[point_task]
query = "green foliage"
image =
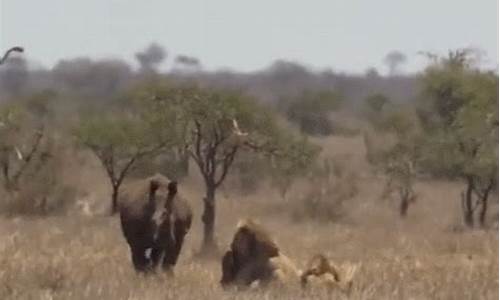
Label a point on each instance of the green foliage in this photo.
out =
(399, 120)
(385, 116)
(376, 103)
(251, 170)
(293, 158)
(443, 90)
(461, 116)
(168, 162)
(30, 159)
(123, 134)
(460, 113)
(400, 158)
(400, 165)
(311, 111)
(22, 144)
(476, 125)
(213, 126)
(40, 103)
(119, 141)
(297, 161)
(11, 117)
(330, 186)
(390, 118)
(161, 106)
(218, 123)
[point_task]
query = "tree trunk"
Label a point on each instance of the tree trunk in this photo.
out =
(403, 209)
(484, 204)
(484, 210)
(467, 207)
(114, 200)
(208, 219)
(406, 197)
(43, 206)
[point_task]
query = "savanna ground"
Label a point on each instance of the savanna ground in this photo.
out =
(422, 257)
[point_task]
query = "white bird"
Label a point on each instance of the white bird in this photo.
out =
(237, 130)
(18, 153)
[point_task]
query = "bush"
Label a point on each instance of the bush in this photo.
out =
(330, 186)
(311, 112)
(34, 201)
(340, 129)
(170, 163)
(251, 171)
(41, 191)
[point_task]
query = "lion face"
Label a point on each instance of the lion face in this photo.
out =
(248, 258)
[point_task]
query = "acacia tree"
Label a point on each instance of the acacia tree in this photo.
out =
(187, 64)
(400, 166)
(476, 127)
(150, 58)
(118, 142)
(214, 139)
(22, 144)
(214, 127)
(460, 113)
(393, 60)
(30, 155)
(398, 160)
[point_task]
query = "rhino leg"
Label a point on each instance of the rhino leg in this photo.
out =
(174, 248)
(139, 259)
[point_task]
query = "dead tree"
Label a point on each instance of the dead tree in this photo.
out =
(15, 161)
(8, 52)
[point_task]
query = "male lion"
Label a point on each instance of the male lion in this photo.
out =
(254, 259)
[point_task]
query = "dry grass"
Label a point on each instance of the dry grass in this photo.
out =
(419, 258)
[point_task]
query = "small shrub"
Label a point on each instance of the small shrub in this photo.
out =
(311, 112)
(41, 190)
(342, 130)
(37, 200)
(330, 186)
(251, 172)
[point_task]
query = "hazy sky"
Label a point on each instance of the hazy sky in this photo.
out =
(345, 35)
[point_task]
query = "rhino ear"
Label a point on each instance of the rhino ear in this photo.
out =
(172, 187)
(153, 186)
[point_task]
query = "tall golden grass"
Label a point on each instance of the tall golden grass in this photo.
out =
(422, 257)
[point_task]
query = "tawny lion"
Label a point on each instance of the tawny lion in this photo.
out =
(254, 259)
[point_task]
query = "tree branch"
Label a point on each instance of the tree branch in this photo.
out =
(274, 151)
(27, 158)
(133, 159)
(8, 52)
(197, 155)
(6, 168)
(226, 163)
(106, 158)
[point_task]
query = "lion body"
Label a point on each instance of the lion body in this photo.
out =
(254, 260)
